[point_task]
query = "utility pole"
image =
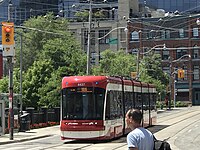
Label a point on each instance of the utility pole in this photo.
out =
(170, 82)
(10, 64)
(138, 55)
(89, 34)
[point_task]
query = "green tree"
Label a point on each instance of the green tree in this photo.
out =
(115, 63)
(84, 15)
(151, 72)
(49, 52)
(36, 77)
(51, 91)
(16, 82)
(4, 85)
(119, 63)
(37, 31)
(65, 53)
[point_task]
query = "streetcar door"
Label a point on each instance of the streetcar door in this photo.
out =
(2, 117)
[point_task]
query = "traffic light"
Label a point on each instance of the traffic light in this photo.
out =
(133, 75)
(7, 33)
(181, 73)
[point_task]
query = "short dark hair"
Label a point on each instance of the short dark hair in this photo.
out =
(136, 115)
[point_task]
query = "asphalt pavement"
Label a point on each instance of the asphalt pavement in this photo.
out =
(36, 133)
(54, 130)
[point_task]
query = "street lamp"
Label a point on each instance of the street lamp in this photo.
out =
(117, 28)
(171, 78)
(198, 22)
(126, 32)
(186, 55)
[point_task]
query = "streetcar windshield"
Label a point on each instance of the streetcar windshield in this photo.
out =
(82, 103)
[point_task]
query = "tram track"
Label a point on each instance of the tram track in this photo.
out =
(174, 124)
(177, 123)
(174, 116)
(167, 113)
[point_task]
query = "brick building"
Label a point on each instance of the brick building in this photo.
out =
(180, 34)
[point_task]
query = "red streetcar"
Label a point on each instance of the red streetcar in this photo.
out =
(94, 107)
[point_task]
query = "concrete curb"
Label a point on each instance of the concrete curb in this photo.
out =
(24, 139)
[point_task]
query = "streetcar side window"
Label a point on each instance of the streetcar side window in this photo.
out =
(107, 115)
(114, 105)
(153, 101)
(138, 101)
(145, 101)
(128, 100)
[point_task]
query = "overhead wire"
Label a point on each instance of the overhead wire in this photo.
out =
(145, 23)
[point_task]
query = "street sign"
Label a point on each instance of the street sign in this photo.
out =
(8, 50)
(113, 41)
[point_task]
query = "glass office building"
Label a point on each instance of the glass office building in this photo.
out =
(192, 6)
(21, 10)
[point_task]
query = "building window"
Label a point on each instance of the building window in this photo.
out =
(134, 36)
(157, 51)
(185, 73)
(196, 73)
(92, 37)
(167, 34)
(163, 34)
(181, 33)
(85, 37)
(165, 55)
(104, 40)
(195, 54)
(166, 70)
(195, 32)
(180, 53)
(93, 57)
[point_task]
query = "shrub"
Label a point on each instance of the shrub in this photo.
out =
(181, 104)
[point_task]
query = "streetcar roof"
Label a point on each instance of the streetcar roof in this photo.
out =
(99, 81)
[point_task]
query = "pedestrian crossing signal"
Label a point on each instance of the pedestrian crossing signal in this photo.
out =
(181, 73)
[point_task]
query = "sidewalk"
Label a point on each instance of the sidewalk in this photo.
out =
(30, 135)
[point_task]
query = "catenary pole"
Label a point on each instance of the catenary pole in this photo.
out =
(20, 73)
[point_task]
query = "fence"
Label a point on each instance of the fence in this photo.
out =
(44, 115)
(38, 118)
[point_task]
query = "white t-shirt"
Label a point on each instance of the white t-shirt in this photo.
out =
(140, 138)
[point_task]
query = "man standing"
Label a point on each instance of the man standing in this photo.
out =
(139, 138)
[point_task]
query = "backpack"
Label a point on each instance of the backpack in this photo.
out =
(161, 145)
